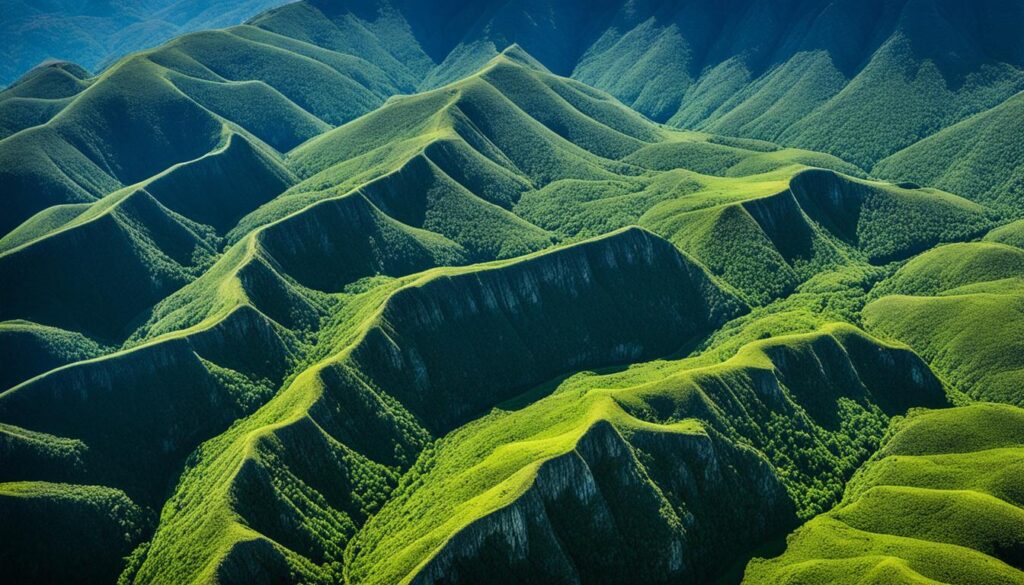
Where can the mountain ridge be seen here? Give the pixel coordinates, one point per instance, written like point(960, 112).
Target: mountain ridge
point(341, 296)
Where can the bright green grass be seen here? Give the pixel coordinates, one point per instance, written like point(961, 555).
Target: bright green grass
point(961, 306)
point(1011, 234)
point(953, 266)
point(940, 502)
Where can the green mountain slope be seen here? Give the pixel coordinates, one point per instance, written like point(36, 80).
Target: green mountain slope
point(961, 307)
point(195, 90)
point(397, 52)
point(96, 525)
point(39, 95)
point(32, 349)
point(659, 492)
point(283, 323)
point(940, 502)
point(979, 158)
point(860, 80)
point(350, 403)
point(1011, 234)
point(815, 221)
point(105, 266)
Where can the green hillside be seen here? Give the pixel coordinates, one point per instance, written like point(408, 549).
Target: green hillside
point(860, 80)
point(939, 502)
point(979, 158)
point(961, 307)
point(39, 95)
point(554, 465)
point(96, 527)
point(386, 291)
point(105, 266)
point(194, 91)
point(369, 448)
point(1011, 234)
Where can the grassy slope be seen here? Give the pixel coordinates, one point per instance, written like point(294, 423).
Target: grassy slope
point(39, 95)
point(370, 446)
point(795, 223)
point(885, 221)
point(979, 158)
point(191, 91)
point(961, 307)
point(1011, 234)
point(271, 284)
point(490, 464)
point(940, 502)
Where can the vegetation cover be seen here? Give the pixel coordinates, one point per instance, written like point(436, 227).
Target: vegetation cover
point(940, 501)
point(381, 291)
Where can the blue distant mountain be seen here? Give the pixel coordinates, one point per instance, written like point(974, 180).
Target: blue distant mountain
point(93, 33)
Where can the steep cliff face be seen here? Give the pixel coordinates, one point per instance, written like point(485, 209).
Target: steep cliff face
point(140, 412)
point(885, 221)
point(101, 271)
point(655, 507)
point(598, 482)
point(96, 526)
point(625, 297)
point(785, 224)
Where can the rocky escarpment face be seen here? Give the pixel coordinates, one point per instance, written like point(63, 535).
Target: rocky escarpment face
point(602, 483)
point(626, 297)
point(656, 507)
point(167, 397)
point(886, 222)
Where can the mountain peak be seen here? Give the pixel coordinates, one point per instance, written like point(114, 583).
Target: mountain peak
point(518, 55)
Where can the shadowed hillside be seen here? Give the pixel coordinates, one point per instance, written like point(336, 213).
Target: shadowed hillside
point(632, 469)
point(32, 349)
